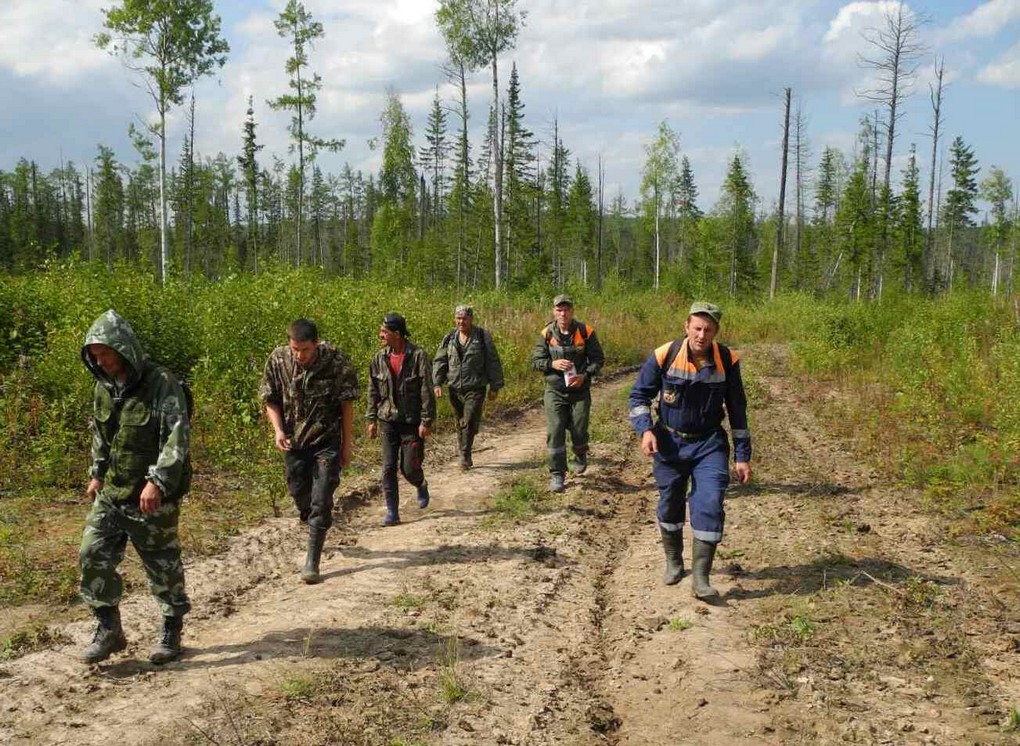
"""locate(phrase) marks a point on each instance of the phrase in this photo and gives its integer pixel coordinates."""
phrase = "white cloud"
(986, 20)
(51, 40)
(1005, 71)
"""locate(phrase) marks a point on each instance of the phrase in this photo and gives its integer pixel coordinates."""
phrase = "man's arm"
(100, 456)
(596, 357)
(541, 360)
(642, 393)
(346, 431)
(493, 365)
(736, 411)
(168, 472)
(441, 363)
(428, 397)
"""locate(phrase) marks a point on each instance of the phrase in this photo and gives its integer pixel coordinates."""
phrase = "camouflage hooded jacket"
(140, 428)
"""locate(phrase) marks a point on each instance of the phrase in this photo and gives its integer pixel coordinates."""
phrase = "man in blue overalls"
(695, 378)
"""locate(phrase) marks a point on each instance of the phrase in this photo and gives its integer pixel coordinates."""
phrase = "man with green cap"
(468, 362)
(569, 355)
(696, 381)
(141, 468)
(308, 388)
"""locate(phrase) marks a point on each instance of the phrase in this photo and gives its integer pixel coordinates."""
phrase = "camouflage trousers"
(467, 405)
(107, 530)
(313, 475)
(566, 411)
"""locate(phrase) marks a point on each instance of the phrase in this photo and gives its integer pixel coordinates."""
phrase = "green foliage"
(26, 641)
(679, 624)
(520, 499)
(299, 687)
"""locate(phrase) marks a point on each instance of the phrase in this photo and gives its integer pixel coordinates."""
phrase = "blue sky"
(608, 70)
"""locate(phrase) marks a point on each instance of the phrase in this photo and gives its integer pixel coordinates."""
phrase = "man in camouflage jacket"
(140, 470)
(468, 362)
(401, 409)
(309, 388)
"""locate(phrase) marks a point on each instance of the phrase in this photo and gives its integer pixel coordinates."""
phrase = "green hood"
(112, 330)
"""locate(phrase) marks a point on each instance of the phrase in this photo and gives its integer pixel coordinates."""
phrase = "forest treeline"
(511, 209)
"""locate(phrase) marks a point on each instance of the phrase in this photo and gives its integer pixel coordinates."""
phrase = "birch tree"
(170, 44)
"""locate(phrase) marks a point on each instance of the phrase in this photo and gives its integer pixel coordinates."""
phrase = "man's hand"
(493, 393)
(424, 430)
(151, 499)
(281, 440)
(438, 391)
(743, 469)
(562, 364)
(577, 381)
(93, 489)
(649, 445)
(372, 429)
(345, 453)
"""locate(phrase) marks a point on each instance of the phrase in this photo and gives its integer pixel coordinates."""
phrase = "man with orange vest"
(569, 355)
(694, 378)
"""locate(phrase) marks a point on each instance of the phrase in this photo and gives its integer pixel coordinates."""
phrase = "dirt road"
(848, 616)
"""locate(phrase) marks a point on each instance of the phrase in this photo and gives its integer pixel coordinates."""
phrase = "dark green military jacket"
(140, 429)
(407, 398)
(309, 398)
(473, 365)
(579, 344)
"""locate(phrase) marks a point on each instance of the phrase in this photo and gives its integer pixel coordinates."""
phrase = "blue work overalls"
(692, 445)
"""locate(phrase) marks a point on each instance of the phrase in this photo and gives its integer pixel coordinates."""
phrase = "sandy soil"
(847, 616)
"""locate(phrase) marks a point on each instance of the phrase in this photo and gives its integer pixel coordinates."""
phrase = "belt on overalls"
(689, 437)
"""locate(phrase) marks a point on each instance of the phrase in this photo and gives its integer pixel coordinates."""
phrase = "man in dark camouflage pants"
(309, 388)
(140, 470)
(468, 362)
(401, 409)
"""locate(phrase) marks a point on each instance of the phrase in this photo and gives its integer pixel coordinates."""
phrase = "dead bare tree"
(935, 92)
(781, 217)
(893, 60)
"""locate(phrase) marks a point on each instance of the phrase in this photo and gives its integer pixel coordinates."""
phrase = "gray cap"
(463, 310)
(701, 308)
(563, 300)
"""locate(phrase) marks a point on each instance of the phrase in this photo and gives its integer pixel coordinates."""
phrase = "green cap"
(700, 308)
(563, 300)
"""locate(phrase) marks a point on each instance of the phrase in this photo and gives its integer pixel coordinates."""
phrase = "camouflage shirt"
(309, 398)
(140, 427)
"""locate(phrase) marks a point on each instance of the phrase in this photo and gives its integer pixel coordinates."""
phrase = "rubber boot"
(423, 495)
(108, 637)
(581, 463)
(310, 572)
(392, 511)
(704, 553)
(169, 646)
(673, 544)
(556, 482)
(465, 454)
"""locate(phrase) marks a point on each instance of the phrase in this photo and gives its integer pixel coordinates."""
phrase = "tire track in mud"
(557, 626)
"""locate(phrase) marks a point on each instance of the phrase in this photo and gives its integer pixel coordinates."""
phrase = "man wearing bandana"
(697, 381)
(401, 409)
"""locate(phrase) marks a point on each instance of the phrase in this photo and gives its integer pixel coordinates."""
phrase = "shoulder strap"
(585, 331)
(674, 350)
(727, 358)
(448, 338)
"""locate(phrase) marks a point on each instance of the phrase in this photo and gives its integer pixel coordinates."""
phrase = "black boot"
(169, 646)
(423, 495)
(108, 637)
(316, 538)
(392, 511)
(465, 453)
(704, 553)
(673, 544)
